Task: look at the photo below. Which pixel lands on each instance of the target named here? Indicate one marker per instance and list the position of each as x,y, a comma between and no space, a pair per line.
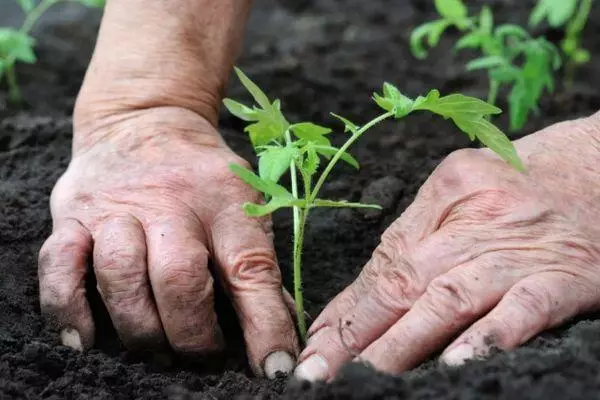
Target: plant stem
35,14
298,295
342,150
14,93
493,93
573,32
294,181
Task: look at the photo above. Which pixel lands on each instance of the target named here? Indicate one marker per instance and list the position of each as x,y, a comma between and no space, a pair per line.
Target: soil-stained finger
245,255
183,286
122,276
62,268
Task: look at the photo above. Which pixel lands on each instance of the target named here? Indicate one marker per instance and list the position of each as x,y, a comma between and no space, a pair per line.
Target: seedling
299,149
574,14
509,55
16,45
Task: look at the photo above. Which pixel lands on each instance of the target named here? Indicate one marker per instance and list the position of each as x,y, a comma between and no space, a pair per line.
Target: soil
318,56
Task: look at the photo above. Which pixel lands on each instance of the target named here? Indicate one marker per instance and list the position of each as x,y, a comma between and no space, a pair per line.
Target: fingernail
70,338
314,368
279,362
459,355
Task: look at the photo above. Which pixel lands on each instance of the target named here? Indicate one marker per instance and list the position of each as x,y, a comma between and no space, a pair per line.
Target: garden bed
317,56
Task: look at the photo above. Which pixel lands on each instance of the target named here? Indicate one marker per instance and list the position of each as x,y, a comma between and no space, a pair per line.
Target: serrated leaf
510,30
349,126
451,9
263,186
275,161
457,104
329,152
93,3
26,5
16,45
393,101
556,12
486,20
343,204
311,133
486,63
259,96
240,110
436,31
492,137
311,161
470,41
260,210
505,74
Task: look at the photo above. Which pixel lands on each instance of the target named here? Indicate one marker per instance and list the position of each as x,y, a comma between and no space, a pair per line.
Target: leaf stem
342,150
35,14
573,31
14,93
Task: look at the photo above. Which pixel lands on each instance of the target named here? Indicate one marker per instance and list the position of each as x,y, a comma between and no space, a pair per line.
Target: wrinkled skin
485,255
150,210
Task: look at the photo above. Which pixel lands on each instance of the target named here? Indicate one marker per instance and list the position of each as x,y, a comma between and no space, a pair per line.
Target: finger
183,286
244,252
122,276
62,268
405,233
536,303
451,302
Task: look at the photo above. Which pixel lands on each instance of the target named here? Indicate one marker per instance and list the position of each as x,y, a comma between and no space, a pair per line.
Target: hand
484,252
150,200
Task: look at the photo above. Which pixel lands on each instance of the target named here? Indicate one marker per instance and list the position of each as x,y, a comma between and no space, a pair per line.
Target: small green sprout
574,14
16,45
300,148
509,55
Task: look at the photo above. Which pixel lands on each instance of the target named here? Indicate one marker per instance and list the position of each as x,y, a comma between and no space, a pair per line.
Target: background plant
573,15
16,45
300,148
509,54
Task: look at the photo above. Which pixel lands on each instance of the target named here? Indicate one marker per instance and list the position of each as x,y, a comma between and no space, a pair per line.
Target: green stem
14,93
35,14
573,32
298,296
493,93
294,181
342,150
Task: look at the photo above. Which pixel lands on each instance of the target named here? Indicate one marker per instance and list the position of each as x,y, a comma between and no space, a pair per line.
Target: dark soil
318,56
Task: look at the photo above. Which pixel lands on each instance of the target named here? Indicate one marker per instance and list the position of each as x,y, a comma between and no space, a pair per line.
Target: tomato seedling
573,14
509,55
299,148
16,45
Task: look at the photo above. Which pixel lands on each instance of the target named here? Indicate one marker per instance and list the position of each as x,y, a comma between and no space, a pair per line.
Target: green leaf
581,56
16,45
349,126
26,5
486,20
451,9
263,186
311,161
311,132
486,63
343,204
492,137
265,129
328,152
275,161
511,30
259,210
436,31
240,110
556,12
470,41
417,37
259,96
93,3
505,74
422,102
457,104
393,101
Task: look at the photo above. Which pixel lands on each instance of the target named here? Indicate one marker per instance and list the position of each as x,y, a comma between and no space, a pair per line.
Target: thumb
243,249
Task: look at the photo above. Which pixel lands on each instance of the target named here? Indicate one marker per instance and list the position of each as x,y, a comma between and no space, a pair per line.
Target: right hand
150,200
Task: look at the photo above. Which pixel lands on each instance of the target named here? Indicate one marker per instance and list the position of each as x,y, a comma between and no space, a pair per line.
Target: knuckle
63,248
349,338
397,288
449,299
256,266
451,172
533,298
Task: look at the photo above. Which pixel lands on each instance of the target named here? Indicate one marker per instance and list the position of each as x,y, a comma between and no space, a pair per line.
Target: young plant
299,149
16,45
574,14
509,55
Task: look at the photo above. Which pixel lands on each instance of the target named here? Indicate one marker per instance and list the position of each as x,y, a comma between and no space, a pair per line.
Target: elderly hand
484,253
150,209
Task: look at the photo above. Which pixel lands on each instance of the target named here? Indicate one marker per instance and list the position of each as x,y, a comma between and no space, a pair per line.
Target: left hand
484,253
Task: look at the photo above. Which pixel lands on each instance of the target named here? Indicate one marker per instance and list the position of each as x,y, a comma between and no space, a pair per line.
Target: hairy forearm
160,53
